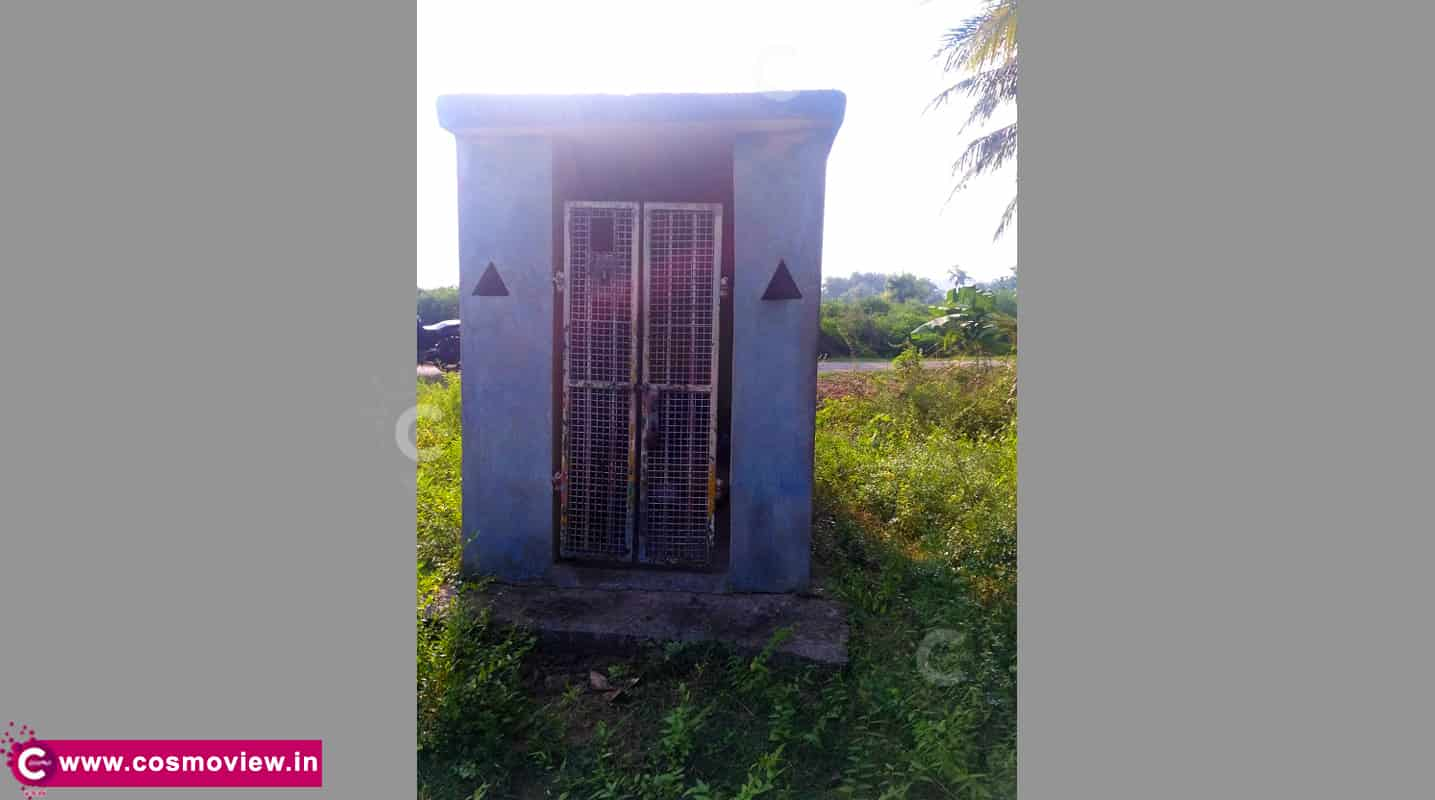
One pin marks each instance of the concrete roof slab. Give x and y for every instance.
(480, 114)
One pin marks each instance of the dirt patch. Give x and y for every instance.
(835, 385)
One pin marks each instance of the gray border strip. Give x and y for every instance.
(205, 319)
(1224, 551)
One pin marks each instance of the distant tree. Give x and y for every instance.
(1003, 292)
(872, 326)
(864, 284)
(1005, 282)
(907, 287)
(874, 306)
(1004, 300)
(852, 324)
(855, 287)
(437, 305)
(835, 288)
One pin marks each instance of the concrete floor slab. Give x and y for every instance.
(605, 619)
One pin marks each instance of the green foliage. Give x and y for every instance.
(976, 320)
(681, 726)
(931, 459)
(998, 284)
(439, 440)
(901, 288)
(865, 315)
(916, 494)
(914, 532)
(471, 706)
(854, 287)
(437, 305)
(972, 323)
(907, 288)
(872, 327)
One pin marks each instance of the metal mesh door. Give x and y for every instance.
(599, 374)
(682, 248)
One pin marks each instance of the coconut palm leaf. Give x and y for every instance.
(1006, 218)
(983, 45)
(984, 38)
(992, 88)
(985, 154)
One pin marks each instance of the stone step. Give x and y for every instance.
(624, 619)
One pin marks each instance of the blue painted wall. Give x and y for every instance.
(778, 181)
(505, 186)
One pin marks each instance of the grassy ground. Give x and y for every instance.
(915, 530)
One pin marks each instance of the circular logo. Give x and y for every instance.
(33, 763)
(408, 422)
(939, 670)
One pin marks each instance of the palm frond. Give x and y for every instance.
(984, 46)
(991, 88)
(981, 39)
(957, 43)
(986, 154)
(1006, 218)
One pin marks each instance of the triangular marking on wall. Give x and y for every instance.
(782, 286)
(490, 285)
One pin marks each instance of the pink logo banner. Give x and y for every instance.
(167, 763)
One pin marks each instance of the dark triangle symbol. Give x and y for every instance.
(782, 287)
(490, 285)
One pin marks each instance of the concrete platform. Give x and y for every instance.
(617, 620)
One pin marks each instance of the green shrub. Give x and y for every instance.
(929, 467)
(916, 522)
(439, 440)
(472, 708)
(914, 531)
(437, 305)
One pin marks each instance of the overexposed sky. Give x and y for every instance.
(888, 177)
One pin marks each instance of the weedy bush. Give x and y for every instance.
(915, 531)
(438, 439)
(472, 708)
(927, 466)
(916, 521)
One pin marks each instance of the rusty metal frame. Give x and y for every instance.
(563, 479)
(710, 389)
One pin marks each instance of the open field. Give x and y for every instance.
(915, 531)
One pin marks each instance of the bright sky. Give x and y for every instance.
(889, 173)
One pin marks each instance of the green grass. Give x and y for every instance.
(915, 531)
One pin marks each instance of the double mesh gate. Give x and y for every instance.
(641, 293)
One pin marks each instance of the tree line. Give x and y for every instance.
(863, 317)
(874, 315)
